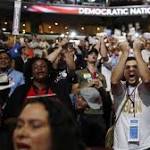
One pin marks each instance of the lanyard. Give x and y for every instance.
(94, 74)
(131, 97)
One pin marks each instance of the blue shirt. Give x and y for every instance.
(17, 77)
(15, 50)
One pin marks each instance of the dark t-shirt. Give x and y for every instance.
(62, 84)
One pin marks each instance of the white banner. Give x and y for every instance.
(16, 18)
(115, 11)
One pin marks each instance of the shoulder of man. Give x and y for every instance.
(18, 73)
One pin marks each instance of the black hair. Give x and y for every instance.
(86, 38)
(21, 49)
(35, 59)
(93, 50)
(65, 133)
(130, 58)
(67, 45)
(5, 52)
(29, 64)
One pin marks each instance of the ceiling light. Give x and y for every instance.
(73, 34)
(23, 31)
(25, 6)
(56, 24)
(49, 27)
(62, 35)
(98, 28)
(82, 28)
(3, 29)
(24, 25)
(5, 22)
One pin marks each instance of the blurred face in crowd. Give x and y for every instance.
(33, 131)
(87, 45)
(10, 41)
(149, 64)
(147, 45)
(92, 58)
(34, 37)
(25, 52)
(76, 88)
(131, 72)
(5, 61)
(40, 70)
(82, 44)
(81, 103)
(71, 48)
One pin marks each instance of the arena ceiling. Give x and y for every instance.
(6, 10)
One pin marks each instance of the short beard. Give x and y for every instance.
(133, 84)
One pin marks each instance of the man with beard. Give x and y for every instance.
(132, 130)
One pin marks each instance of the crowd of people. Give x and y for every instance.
(64, 95)
(70, 2)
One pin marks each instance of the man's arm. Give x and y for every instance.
(117, 73)
(97, 46)
(142, 66)
(53, 56)
(69, 58)
(103, 50)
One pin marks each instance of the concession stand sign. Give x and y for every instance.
(95, 11)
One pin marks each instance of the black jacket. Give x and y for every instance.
(17, 99)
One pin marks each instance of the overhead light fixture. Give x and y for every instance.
(49, 27)
(56, 23)
(91, 1)
(5, 23)
(98, 28)
(52, 32)
(73, 34)
(23, 31)
(3, 29)
(62, 35)
(23, 24)
(136, 34)
(66, 28)
(82, 28)
(25, 6)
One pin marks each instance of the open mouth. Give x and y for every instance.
(23, 146)
(3, 63)
(94, 57)
(41, 73)
(131, 75)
